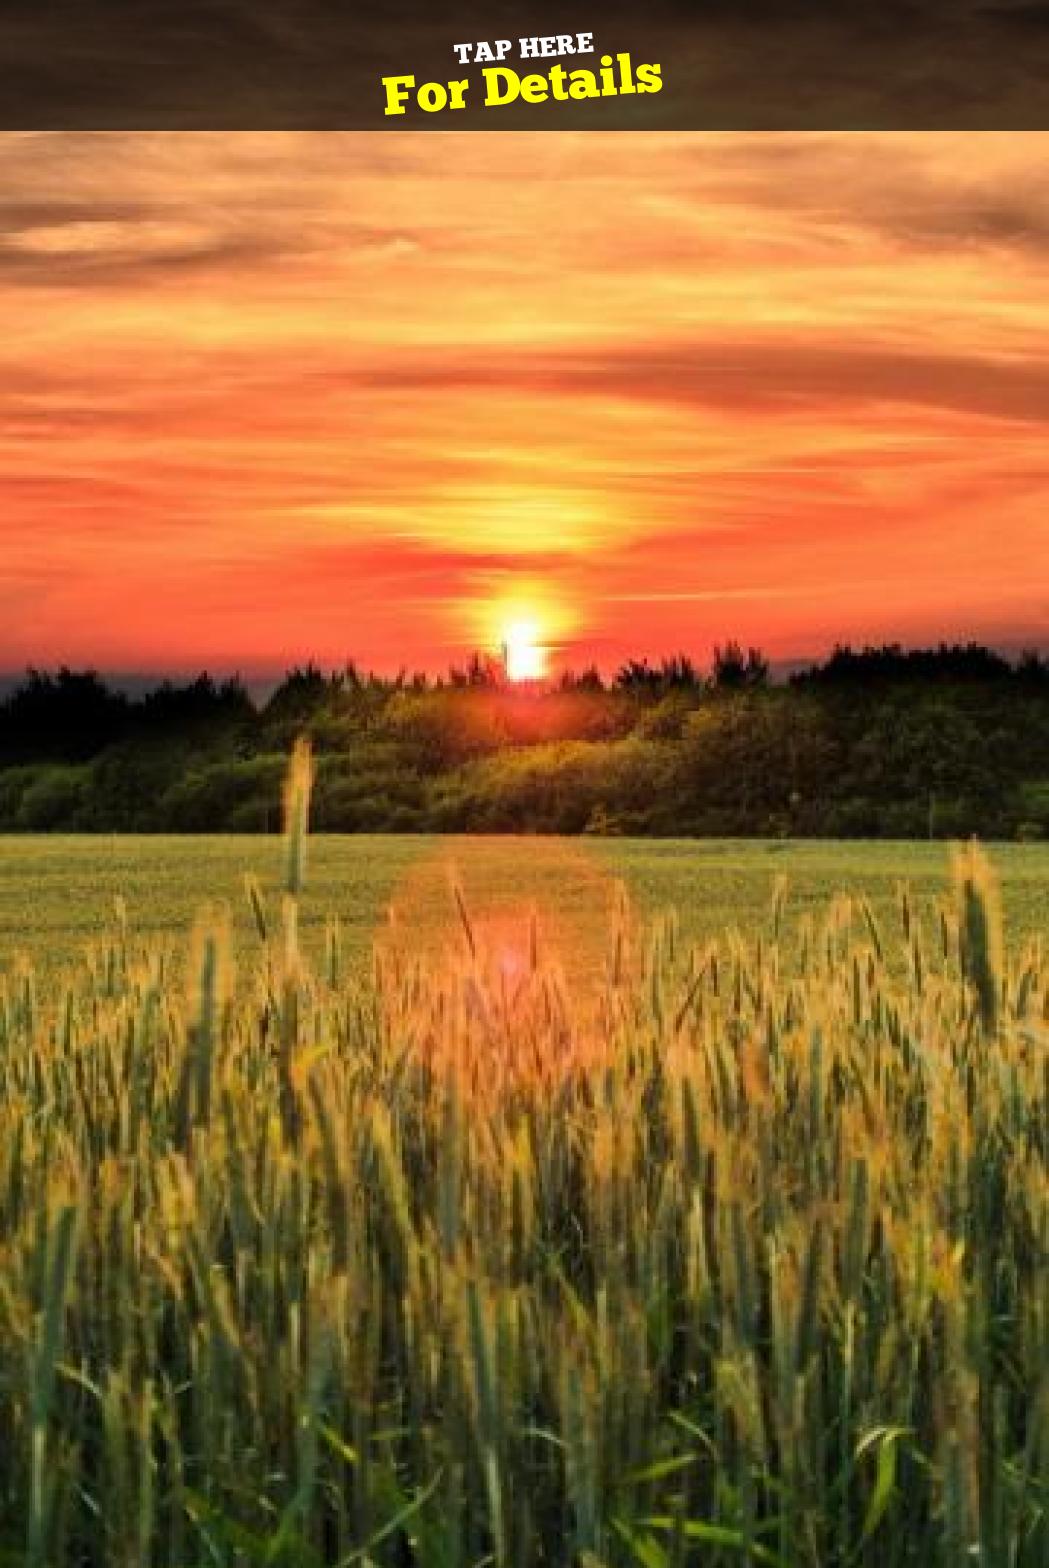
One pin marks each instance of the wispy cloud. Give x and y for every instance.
(274, 393)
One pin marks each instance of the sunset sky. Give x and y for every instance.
(267, 397)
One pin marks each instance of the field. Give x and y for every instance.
(57, 893)
(587, 1242)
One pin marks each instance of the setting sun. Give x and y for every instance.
(523, 654)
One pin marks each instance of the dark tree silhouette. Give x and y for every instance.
(735, 670)
(887, 741)
(67, 716)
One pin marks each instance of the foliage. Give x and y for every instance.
(881, 743)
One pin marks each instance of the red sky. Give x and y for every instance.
(269, 396)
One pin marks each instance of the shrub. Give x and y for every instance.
(53, 799)
(214, 796)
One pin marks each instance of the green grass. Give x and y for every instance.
(57, 893)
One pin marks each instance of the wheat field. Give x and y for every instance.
(58, 891)
(739, 1256)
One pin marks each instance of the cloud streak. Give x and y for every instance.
(280, 394)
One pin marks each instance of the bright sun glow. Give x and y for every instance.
(523, 653)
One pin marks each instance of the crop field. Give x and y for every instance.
(57, 894)
(574, 1237)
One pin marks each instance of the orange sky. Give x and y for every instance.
(269, 396)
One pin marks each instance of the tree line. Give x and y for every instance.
(874, 742)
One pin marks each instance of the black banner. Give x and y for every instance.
(327, 64)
